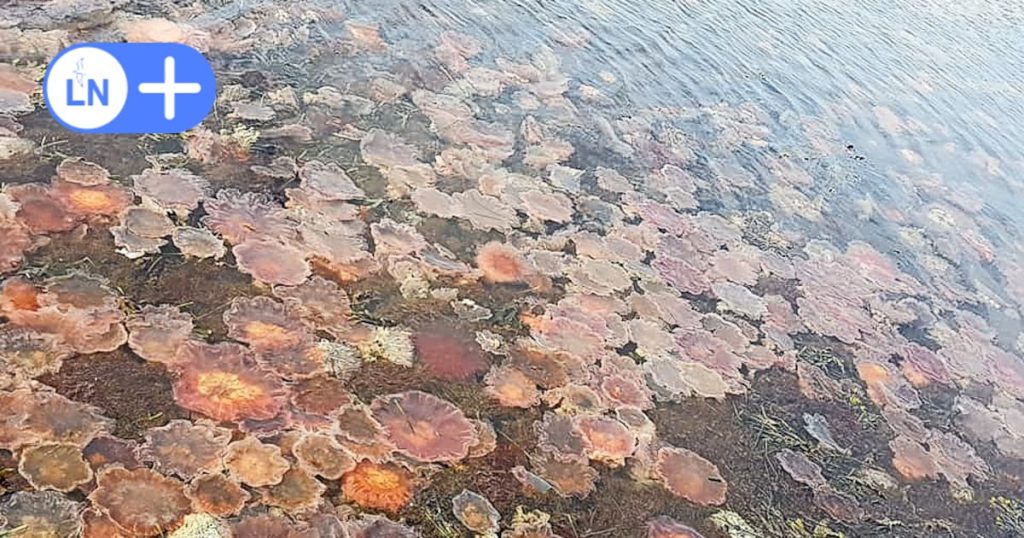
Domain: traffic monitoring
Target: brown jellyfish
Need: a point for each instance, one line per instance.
(239, 217)
(573, 398)
(265, 325)
(486, 439)
(42, 514)
(607, 440)
(476, 513)
(176, 190)
(511, 387)
(217, 494)
(82, 201)
(156, 333)
(254, 463)
(449, 355)
(297, 492)
(382, 487)
(502, 264)
(39, 211)
(323, 456)
(198, 243)
(687, 475)
(548, 369)
(272, 262)
(27, 353)
(98, 525)
(267, 526)
(52, 417)
(140, 501)
(223, 384)
(911, 459)
(559, 435)
(320, 395)
(569, 478)
(666, 527)
(184, 448)
(15, 241)
(57, 467)
(81, 172)
(319, 302)
(425, 427)
(107, 450)
(624, 390)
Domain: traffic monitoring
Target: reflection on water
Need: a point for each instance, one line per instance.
(577, 269)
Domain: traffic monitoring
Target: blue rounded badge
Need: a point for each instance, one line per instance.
(129, 88)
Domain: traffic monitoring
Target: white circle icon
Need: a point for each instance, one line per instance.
(86, 88)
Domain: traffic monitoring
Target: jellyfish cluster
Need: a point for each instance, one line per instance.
(434, 279)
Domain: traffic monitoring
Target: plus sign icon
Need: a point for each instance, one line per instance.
(129, 88)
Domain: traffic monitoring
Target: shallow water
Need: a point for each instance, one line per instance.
(717, 268)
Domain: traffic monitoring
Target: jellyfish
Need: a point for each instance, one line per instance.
(239, 217)
(223, 384)
(95, 524)
(425, 427)
(53, 466)
(321, 455)
(272, 262)
(198, 243)
(40, 513)
(448, 355)
(266, 326)
(217, 494)
(511, 387)
(319, 302)
(140, 501)
(559, 435)
(254, 463)
(46, 416)
(175, 190)
(607, 440)
(185, 448)
(321, 395)
(685, 474)
(502, 264)
(107, 450)
(384, 487)
(81, 172)
(31, 354)
(107, 200)
(476, 513)
(157, 333)
(569, 478)
(39, 211)
(297, 492)
(15, 241)
(666, 527)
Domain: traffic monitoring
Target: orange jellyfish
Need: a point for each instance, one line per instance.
(82, 201)
(254, 463)
(272, 262)
(217, 494)
(502, 264)
(511, 387)
(383, 487)
(687, 475)
(476, 513)
(227, 386)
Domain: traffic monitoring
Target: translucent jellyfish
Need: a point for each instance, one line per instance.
(184, 448)
(15, 241)
(666, 527)
(272, 262)
(382, 149)
(40, 514)
(175, 190)
(687, 475)
(57, 467)
(476, 513)
(226, 386)
(198, 243)
(217, 494)
(45, 416)
(146, 223)
(739, 299)
(329, 181)
(82, 172)
(382, 487)
(425, 427)
(922, 367)
(320, 302)
(132, 245)
(106, 200)
(254, 463)
(39, 211)
(502, 264)
(559, 435)
(569, 478)
(321, 455)
(239, 217)
(297, 492)
(511, 387)
(140, 501)
(449, 355)
(321, 395)
(267, 526)
(486, 439)
(27, 353)
(624, 390)
(266, 326)
(157, 333)
(800, 468)
(606, 440)
(673, 379)
(97, 525)
(573, 398)
(107, 450)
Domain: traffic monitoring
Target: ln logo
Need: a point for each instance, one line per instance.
(129, 88)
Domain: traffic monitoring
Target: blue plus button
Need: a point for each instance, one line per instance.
(129, 88)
